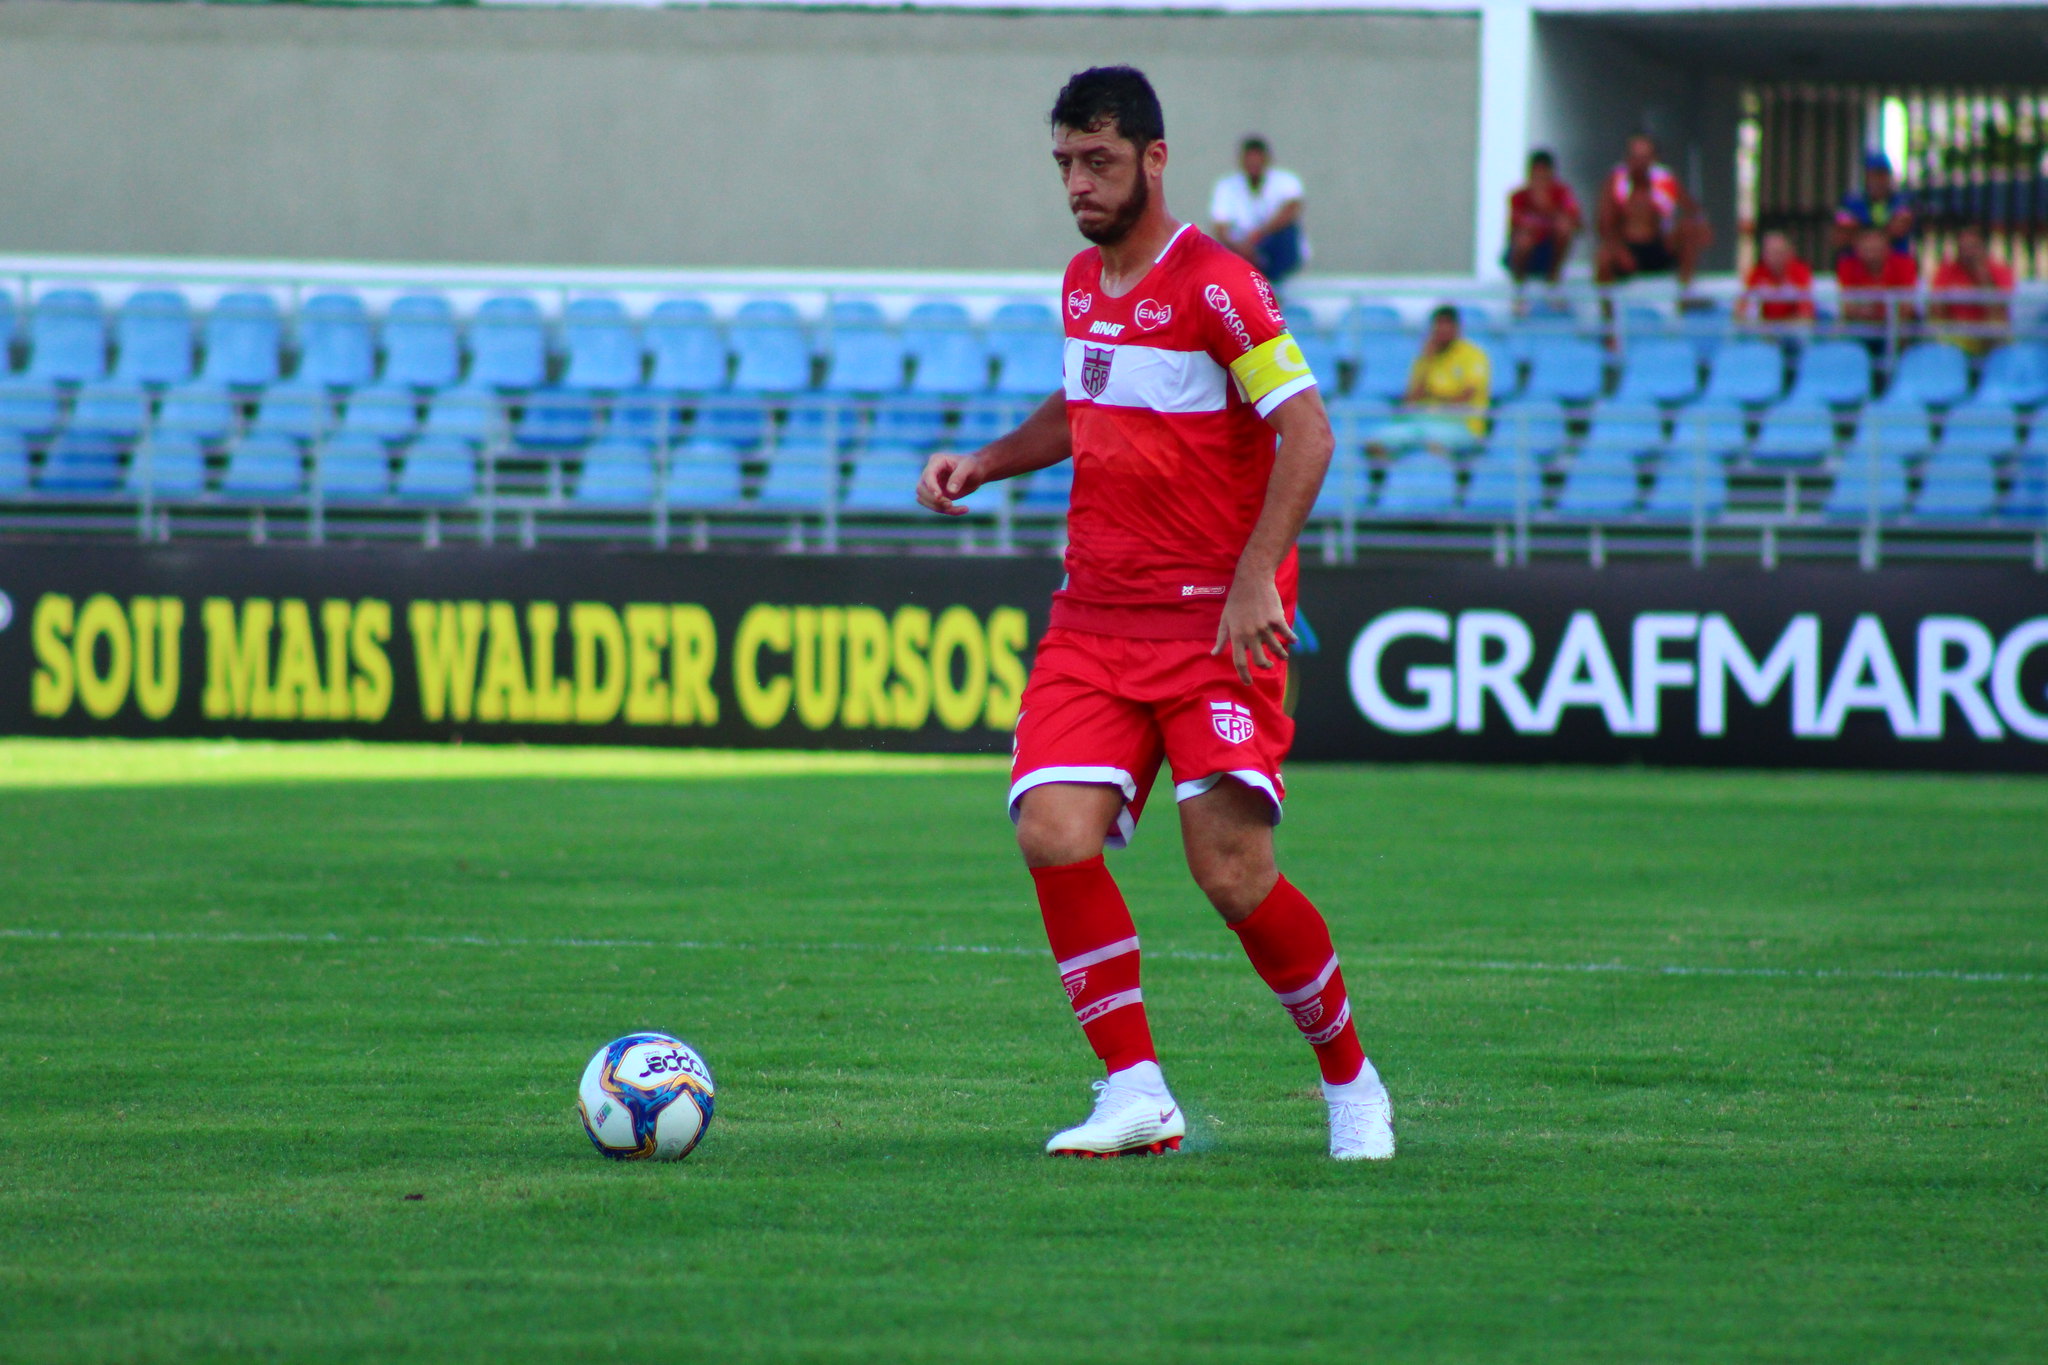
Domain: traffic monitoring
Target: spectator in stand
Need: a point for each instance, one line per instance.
(1449, 387)
(1648, 223)
(1882, 205)
(1872, 276)
(1543, 217)
(1779, 287)
(1962, 288)
(1257, 213)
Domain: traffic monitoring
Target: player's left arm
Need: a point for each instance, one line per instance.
(1255, 627)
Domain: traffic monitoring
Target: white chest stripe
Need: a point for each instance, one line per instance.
(1145, 377)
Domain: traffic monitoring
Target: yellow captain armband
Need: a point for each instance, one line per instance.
(1271, 373)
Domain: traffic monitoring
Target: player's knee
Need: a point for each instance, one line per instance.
(1236, 881)
(1054, 838)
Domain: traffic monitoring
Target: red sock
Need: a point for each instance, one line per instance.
(1096, 944)
(1289, 945)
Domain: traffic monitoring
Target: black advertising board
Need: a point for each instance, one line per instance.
(1807, 665)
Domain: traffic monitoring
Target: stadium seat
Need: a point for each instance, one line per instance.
(13, 464)
(205, 412)
(1048, 490)
(1491, 481)
(299, 411)
(1625, 427)
(1599, 484)
(983, 421)
(7, 328)
(604, 354)
(82, 463)
(109, 408)
(946, 355)
(1980, 429)
(466, 413)
(616, 473)
(705, 475)
(2027, 500)
(1929, 374)
(243, 336)
(352, 465)
(67, 338)
(1566, 368)
(1715, 430)
(736, 421)
(556, 419)
(863, 354)
(438, 469)
(1956, 487)
(2016, 375)
(508, 346)
(1850, 498)
(884, 480)
(1894, 429)
(645, 415)
(421, 350)
(1419, 483)
(1746, 372)
(1384, 360)
(263, 466)
(1794, 434)
(800, 477)
(1365, 319)
(336, 349)
(1025, 340)
(769, 343)
(153, 338)
(168, 464)
(908, 422)
(1353, 419)
(28, 407)
(1320, 353)
(385, 412)
(1679, 479)
(689, 354)
(1345, 487)
(823, 421)
(1834, 373)
(1660, 370)
(1537, 424)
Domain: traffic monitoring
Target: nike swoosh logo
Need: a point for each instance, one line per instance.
(1166, 1114)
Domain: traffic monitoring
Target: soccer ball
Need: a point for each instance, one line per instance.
(646, 1095)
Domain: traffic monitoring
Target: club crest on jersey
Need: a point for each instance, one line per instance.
(1095, 363)
(1219, 299)
(1231, 720)
(1151, 313)
(1079, 302)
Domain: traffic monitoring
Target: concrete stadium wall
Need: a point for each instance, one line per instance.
(691, 137)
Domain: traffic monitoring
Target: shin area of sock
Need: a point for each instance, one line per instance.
(1096, 946)
(1289, 945)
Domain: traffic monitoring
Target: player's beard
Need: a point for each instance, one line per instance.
(1126, 217)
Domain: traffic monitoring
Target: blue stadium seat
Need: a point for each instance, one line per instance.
(2015, 375)
(823, 421)
(82, 463)
(1660, 370)
(1599, 484)
(1028, 347)
(908, 422)
(773, 356)
(863, 353)
(336, 349)
(1836, 373)
(1347, 485)
(13, 464)
(604, 354)
(67, 338)
(263, 466)
(352, 466)
(1849, 499)
(1366, 319)
(205, 412)
(28, 407)
(1980, 429)
(438, 469)
(168, 464)
(421, 348)
(704, 475)
(508, 346)
(111, 409)
(386, 412)
(466, 413)
(984, 421)
(1384, 360)
(884, 480)
(947, 357)
(1419, 483)
(799, 477)
(556, 419)
(1956, 487)
(1929, 374)
(616, 473)
(1625, 427)
(153, 338)
(1321, 355)
(1893, 429)
(1679, 480)
(1746, 372)
(1474, 319)
(1794, 434)
(2027, 500)
(1490, 483)
(243, 336)
(735, 421)
(7, 328)
(689, 353)
(1536, 424)
(645, 415)
(1569, 369)
(1353, 419)
(299, 411)
(1705, 330)
(1715, 430)
(1048, 490)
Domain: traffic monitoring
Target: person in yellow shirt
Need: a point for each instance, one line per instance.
(1449, 387)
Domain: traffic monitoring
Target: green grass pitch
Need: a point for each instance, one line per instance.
(254, 999)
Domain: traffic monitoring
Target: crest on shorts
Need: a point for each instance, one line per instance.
(1095, 362)
(1231, 720)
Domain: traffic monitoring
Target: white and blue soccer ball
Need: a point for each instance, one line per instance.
(646, 1096)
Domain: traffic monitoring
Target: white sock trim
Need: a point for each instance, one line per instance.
(1102, 954)
(1089, 1013)
(1313, 988)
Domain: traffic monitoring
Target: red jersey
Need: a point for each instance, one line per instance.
(1527, 216)
(1782, 308)
(1167, 391)
(1953, 276)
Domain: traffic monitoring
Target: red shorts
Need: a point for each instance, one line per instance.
(1105, 709)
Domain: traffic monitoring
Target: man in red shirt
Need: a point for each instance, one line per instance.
(1779, 287)
(1543, 217)
(1970, 279)
(1169, 640)
(1873, 278)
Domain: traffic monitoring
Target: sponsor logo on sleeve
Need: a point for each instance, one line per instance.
(1150, 313)
(1078, 303)
(1266, 297)
(1095, 363)
(1219, 299)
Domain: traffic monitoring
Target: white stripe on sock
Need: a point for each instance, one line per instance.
(1089, 1013)
(1313, 988)
(1102, 954)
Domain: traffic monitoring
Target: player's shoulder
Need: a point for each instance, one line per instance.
(1211, 273)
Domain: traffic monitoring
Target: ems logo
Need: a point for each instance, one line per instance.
(1307, 1014)
(1079, 302)
(1151, 313)
(1232, 721)
(1095, 362)
(1075, 982)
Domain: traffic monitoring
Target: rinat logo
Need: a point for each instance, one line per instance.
(1105, 329)
(1219, 299)
(1151, 313)
(1231, 720)
(1095, 363)
(1079, 302)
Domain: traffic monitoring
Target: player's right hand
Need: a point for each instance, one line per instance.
(947, 477)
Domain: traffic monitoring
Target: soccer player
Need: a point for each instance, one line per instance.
(1170, 638)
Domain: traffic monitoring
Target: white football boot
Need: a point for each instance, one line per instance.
(1361, 1123)
(1134, 1115)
